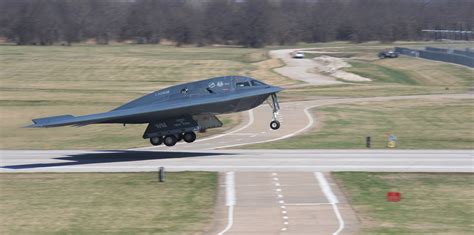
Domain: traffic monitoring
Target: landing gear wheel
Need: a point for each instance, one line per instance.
(170, 140)
(189, 137)
(157, 140)
(275, 125)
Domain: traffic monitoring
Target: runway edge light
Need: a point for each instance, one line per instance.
(161, 174)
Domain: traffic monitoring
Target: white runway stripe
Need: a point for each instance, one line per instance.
(230, 200)
(323, 183)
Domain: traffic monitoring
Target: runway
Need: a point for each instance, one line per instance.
(238, 160)
(282, 203)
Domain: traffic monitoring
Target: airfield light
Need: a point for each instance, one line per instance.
(161, 174)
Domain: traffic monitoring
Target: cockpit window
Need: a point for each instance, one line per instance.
(209, 90)
(257, 83)
(242, 84)
(184, 91)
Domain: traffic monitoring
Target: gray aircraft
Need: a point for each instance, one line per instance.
(177, 112)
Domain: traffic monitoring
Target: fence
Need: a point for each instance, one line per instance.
(441, 54)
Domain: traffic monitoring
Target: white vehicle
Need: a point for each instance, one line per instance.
(298, 55)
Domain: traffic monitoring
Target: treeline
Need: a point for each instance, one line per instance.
(250, 23)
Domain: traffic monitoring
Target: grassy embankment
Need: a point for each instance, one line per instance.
(104, 203)
(438, 203)
(46, 81)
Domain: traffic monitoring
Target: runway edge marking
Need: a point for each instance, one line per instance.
(310, 123)
(230, 200)
(323, 183)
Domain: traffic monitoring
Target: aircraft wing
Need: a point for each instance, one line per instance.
(69, 120)
(142, 114)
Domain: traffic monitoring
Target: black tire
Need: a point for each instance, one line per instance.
(189, 137)
(275, 125)
(157, 140)
(170, 140)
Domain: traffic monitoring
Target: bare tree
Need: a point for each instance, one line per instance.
(250, 23)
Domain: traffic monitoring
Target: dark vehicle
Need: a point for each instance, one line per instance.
(176, 113)
(388, 54)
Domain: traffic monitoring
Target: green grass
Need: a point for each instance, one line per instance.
(436, 203)
(369, 90)
(38, 81)
(380, 73)
(434, 124)
(106, 203)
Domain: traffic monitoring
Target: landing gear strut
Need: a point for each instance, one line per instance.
(275, 124)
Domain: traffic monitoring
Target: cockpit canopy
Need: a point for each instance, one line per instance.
(242, 82)
(212, 86)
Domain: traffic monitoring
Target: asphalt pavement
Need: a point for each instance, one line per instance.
(237, 160)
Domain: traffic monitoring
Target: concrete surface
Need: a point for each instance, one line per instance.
(300, 69)
(284, 203)
(238, 160)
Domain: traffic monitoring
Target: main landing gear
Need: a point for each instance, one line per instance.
(275, 124)
(171, 140)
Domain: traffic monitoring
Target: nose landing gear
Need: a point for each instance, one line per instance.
(275, 124)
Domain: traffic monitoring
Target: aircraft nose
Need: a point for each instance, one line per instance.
(277, 88)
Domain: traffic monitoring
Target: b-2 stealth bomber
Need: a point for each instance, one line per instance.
(178, 112)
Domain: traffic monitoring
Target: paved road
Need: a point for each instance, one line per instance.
(238, 160)
(300, 69)
(282, 203)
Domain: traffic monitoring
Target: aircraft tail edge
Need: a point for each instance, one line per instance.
(44, 122)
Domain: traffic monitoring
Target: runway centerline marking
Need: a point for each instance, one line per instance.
(307, 204)
(283, 209)
(230, 200)
(324, 185)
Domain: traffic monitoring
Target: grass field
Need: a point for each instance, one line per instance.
(106, 203)
(40, 81)
(436, 203)
(432, 124)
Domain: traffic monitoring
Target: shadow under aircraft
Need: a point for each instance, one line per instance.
(176, 113)
(110, 156)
